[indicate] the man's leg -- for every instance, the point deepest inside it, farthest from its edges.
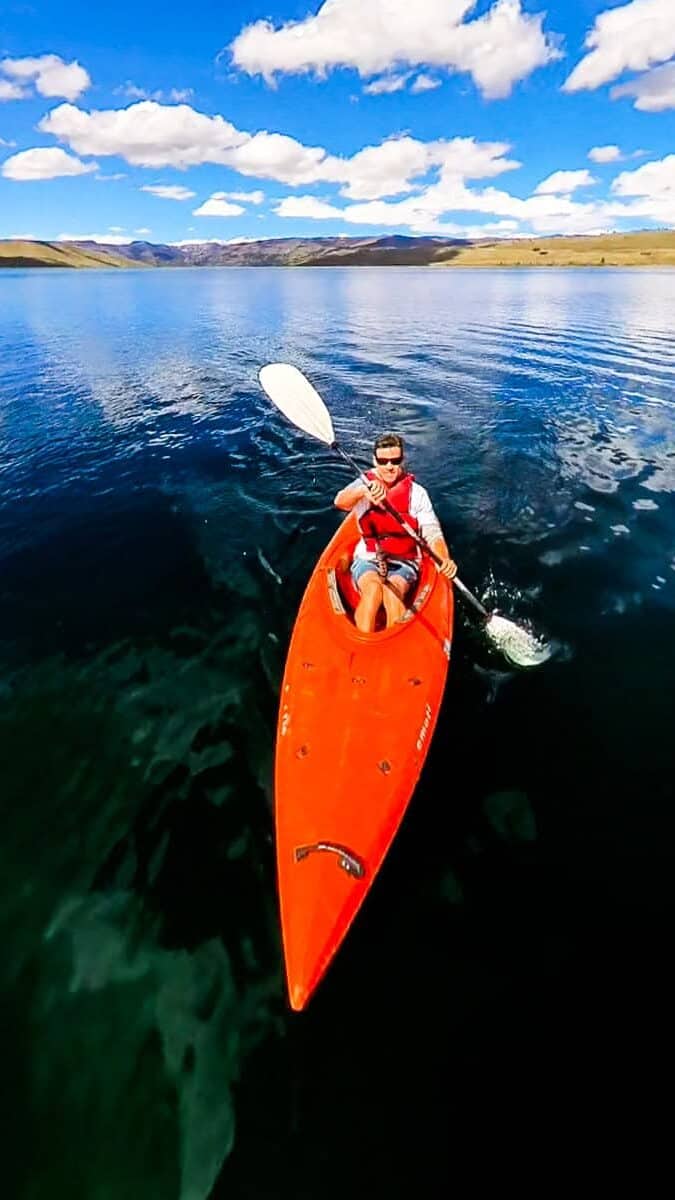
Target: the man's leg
(370, 588)
(395, 590)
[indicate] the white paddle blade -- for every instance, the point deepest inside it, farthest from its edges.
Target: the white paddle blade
(295, 397)
(520, 646)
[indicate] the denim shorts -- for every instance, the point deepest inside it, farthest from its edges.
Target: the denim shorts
(404, 568)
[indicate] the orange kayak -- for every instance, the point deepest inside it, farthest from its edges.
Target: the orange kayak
(356, 718)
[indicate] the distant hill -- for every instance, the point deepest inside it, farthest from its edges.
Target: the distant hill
(59, 254)
(291, 252)
(645, 248)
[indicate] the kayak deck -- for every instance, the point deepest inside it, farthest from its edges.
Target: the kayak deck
(356, 718)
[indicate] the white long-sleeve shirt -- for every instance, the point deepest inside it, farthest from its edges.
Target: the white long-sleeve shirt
(420, 507)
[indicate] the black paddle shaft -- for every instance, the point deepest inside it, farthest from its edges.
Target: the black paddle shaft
(421, 542)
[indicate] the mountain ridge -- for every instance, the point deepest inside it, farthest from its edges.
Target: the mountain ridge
(640, 248)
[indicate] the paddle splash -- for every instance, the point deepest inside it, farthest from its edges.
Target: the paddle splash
(517, 644)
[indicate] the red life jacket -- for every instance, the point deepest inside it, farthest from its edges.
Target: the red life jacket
(381, 531)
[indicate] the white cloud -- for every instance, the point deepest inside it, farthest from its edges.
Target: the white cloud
(654, 91)
(4, 142)
(630, 38)
(275, 156)
(497, 49)
(312, 208)
(386, 169)
(386, 85)
(425, 83)
(149, 134)
(434, 209)
(152, 135)
(391, 167)
(117, 229)
(23, 237)
(605, 154)
(49, 74)
(143, 231)
(146, 134)
(41, 163)
(653, 189)
(236, 241)
(653, 178)
(168, 191)
(564, 182)
(131, 91)
(11, 91)
(108, 239)
(244, 197)
(218, 206)
(111, 178)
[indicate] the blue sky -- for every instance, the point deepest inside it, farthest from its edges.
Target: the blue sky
(286, 118)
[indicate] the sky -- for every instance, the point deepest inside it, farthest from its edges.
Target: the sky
(246, 119)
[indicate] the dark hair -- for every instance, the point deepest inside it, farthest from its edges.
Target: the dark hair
(389, 441)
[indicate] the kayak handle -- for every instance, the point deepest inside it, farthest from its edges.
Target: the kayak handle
(346, 859)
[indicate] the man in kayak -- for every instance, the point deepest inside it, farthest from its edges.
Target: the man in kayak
(386, 560)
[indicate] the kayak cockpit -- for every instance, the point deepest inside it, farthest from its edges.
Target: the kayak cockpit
(344, 595)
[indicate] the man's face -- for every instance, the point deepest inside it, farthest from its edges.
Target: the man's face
(388, 462)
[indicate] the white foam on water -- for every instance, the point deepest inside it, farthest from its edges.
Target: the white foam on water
(517, 644)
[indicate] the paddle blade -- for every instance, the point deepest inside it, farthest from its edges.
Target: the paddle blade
(294, 396)
(520, 646)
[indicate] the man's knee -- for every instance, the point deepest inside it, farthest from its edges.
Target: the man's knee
(370, 586)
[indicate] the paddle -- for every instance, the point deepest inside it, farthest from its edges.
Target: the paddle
(292, 393)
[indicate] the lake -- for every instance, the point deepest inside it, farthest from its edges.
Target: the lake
(158, 523)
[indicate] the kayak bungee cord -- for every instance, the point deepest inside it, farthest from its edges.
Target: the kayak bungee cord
(293, 394)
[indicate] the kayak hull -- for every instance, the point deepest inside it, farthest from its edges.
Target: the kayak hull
(356, 718)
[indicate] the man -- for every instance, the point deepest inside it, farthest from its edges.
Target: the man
(386, 560)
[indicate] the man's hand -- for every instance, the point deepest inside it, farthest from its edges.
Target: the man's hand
(376, 491)
(447, 567)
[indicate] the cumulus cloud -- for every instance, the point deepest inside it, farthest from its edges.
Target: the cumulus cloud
(386, 85)
(654, 91)
(146, 134)
(310, 207)
(218, 206)
(168, 191)
(630, 38)
(653, 185)
(11, 91)
(605, 154)
(152, 135)
(425, 83)
(244, 197)
(131, 91)
(394, 165)
(497, 49)
(564, 182)
(650, 189)
(149, 134)
(49, 75)
(108, 239)
(649, 192)
(44, 163)
(235, 241)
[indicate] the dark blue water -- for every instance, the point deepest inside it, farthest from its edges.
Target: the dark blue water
(506, 978)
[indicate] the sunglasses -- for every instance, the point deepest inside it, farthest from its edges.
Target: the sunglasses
(389, 462)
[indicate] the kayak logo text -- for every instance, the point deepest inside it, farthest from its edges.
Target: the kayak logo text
(425, 726)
